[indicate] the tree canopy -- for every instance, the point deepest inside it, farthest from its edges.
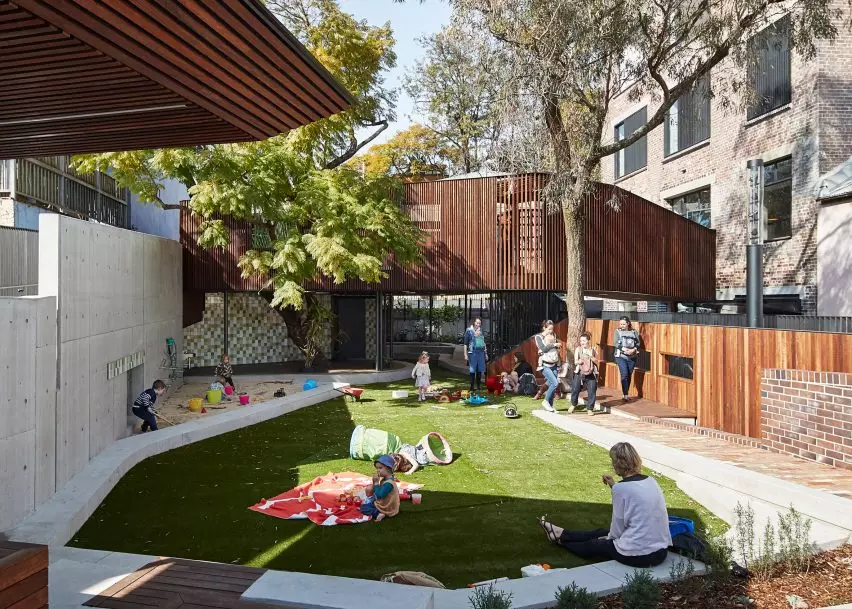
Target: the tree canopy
(318, 216)
(413, 152)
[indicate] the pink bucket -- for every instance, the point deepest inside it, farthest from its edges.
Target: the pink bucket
(229, 390)
(244, 400)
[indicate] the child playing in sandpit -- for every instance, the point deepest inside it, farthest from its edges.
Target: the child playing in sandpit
(383, 495)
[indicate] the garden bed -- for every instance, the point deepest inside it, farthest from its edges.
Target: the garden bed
(827, 582)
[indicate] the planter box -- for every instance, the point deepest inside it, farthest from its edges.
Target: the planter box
(23, 575)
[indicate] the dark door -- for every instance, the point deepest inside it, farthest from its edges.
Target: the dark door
(351, 319)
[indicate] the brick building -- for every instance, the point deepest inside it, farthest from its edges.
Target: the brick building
(695, 163)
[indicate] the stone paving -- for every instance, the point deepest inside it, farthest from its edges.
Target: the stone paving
(785, 467)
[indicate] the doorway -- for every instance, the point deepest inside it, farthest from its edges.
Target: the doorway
(351, 323)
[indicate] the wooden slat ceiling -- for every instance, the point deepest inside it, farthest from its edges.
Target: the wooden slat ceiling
(105, 75)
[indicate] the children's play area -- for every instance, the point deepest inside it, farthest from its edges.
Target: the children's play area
(286, 494)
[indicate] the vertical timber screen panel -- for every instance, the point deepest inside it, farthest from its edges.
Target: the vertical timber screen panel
(728, 364)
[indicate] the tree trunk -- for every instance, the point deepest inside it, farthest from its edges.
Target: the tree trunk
(295, 323)
(572, 216)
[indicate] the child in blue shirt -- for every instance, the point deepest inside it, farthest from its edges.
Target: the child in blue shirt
(143, 406)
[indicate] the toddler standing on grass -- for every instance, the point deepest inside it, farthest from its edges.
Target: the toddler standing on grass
(383, 495)
(422, 375)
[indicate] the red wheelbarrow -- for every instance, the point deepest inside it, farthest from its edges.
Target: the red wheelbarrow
(352, 394)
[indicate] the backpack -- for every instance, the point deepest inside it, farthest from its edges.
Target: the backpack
(629, 344)
(527, 384)
(479, 342)
(586, 366)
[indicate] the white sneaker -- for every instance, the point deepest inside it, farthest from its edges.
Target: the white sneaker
(546, 405)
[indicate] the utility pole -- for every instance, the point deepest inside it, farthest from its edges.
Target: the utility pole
(754, 249)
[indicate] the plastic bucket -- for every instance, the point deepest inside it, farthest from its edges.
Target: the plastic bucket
(214, 396)
(244, 400)
(229, 390)
(195, 405)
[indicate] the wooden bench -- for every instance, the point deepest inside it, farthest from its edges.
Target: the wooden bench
(23, 576)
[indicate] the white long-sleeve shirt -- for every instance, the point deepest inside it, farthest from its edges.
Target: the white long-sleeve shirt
(640, 521)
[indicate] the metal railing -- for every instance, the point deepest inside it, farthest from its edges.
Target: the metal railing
(49, 182)
(6, 168)
(802, 323)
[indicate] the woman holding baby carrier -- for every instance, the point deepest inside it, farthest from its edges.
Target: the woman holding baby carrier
(585, 374)
(626, 353)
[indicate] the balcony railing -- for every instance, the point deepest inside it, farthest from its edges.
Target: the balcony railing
(49, 182)
(6, 168)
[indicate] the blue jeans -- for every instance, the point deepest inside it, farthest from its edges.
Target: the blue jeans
(625, 367)
(368, 508)
(148, 419)
(552, 378)
(591, 389)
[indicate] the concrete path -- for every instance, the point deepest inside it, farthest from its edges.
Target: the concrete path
(808, 473)
(717, 476)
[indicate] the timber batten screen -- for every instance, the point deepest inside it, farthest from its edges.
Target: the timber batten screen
(495, 234)
(111, 75)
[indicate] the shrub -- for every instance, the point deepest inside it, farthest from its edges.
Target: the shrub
(718, 555)
(790, 545)
(794, 540)
(489, 598)
(640, 591)
(574, 597)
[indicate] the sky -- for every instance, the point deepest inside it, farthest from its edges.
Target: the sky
(409, 21)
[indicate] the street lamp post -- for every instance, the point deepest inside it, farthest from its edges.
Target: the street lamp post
(754, 249)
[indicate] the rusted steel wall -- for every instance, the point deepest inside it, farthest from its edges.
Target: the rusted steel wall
(492, 234)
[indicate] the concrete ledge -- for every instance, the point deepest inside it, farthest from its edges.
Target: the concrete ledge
(328, 592)
(720, 486)
(55, 522)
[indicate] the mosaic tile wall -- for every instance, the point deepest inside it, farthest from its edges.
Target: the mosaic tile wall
(256, 332)
(207, 337)
(370, 328)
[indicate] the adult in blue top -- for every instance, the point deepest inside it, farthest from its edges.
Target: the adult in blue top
(475, 353)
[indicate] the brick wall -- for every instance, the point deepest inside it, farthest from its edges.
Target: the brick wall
(816, 130)
(808, 414)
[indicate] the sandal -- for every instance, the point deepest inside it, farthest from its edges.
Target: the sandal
(548, 530)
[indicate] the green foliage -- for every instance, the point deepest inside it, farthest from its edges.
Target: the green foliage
(311, 217)
(794, 541)
(789, 545)
(490, 598)
(640, 591)
(719, 554)
(416, 151)
(575, 597)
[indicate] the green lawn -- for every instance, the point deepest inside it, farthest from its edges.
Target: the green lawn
(477, 519)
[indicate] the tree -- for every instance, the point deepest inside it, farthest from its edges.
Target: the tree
(457, 86)
(314, 216)
(570, 58)
(417, 151)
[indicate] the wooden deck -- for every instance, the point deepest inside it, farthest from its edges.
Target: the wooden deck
(23, 575)
(173, 583)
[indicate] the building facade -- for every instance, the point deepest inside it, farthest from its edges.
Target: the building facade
(695, 164)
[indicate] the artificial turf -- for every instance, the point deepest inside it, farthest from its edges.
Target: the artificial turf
(477, 520)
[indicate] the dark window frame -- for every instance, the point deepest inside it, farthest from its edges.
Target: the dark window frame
(769, 70)
(691, 116)
(673, 201)
(682, 363)
(635, 157)
(772, 183)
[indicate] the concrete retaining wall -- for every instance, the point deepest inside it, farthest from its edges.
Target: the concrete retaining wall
(117, 292)
(27, 405)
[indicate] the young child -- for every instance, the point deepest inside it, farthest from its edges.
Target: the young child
(225, 371)
(143, 406)
(550, 339)
(383, 495)
(422, 375)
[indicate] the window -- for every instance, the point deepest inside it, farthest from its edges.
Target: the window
(769, 70)
(679, 366)
(777, 199)
(688, 120)
(694, 205)
(634, 157)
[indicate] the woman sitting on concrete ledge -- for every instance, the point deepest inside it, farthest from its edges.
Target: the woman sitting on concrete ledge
(639, 533)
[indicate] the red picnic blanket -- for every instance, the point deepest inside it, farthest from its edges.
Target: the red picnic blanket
(327, 500)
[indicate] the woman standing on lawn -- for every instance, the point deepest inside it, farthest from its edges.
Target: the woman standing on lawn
(548, 361)
(475, 353)
(639, 533)
(626, 353)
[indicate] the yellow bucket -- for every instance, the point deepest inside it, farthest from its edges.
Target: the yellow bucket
(195, 404)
